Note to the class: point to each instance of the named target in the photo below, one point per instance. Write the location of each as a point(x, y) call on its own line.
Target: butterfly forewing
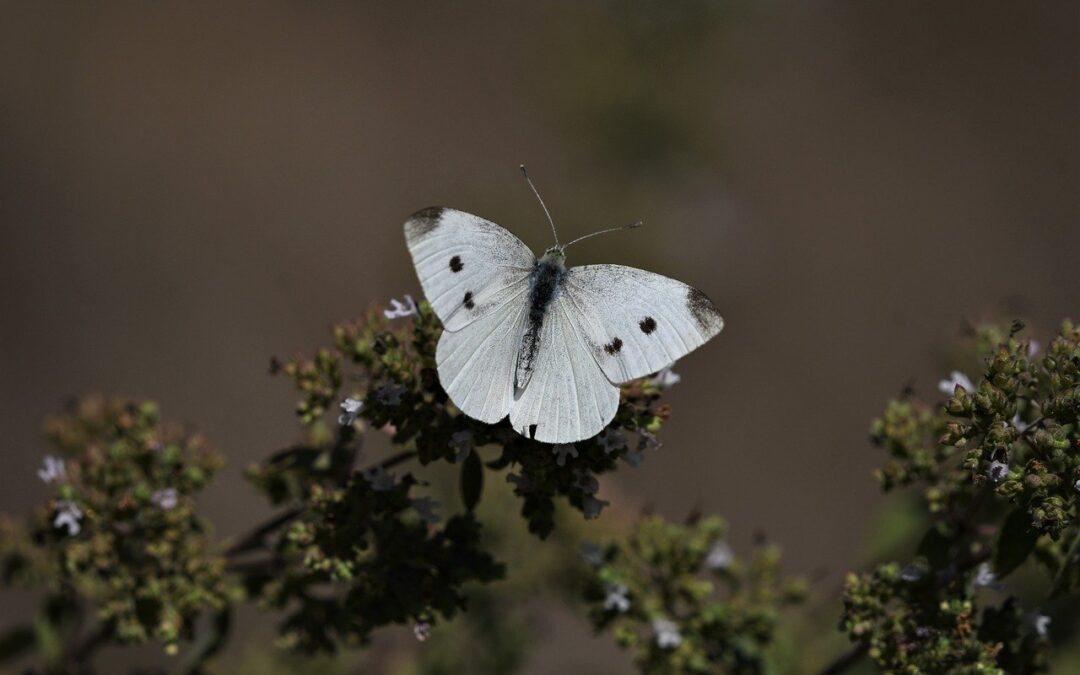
point(467, 266)
point(636, 322)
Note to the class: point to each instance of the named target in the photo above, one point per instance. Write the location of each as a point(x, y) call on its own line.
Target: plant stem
point(254, 539)
point(846, 660)
point(399, 458)
point(79, 652)
point(1059, 578)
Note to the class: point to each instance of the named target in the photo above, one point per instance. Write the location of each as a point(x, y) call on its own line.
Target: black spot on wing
point(424, 221)
point(456, 265)
point(647, 325)
point(468, 301)
point(704, 311)
point(613, 347)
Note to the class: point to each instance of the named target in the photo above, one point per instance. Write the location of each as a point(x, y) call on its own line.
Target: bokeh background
point(187, 189)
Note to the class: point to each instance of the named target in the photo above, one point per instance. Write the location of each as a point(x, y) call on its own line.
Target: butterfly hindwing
point(476, 363)
point(636, 322)
point(568, 397)
point(467, 266)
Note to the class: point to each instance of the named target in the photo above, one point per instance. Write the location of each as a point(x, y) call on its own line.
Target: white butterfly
point(542, 343)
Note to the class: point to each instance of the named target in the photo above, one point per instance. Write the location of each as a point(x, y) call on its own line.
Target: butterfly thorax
point(544, 283)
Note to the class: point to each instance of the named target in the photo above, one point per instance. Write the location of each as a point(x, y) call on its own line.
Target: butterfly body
point(544, 283)
point(545, 344)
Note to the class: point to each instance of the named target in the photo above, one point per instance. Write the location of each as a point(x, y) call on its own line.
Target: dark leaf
point(15, 642)
point(1015, 542)
point(935, 548)
point(472, 480)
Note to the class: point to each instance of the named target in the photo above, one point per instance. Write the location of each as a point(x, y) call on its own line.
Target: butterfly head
point(554, 256)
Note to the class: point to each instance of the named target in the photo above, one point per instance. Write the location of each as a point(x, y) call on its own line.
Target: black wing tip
point(424, 221)
point(704, 311)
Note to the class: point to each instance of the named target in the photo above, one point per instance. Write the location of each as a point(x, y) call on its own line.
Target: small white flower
point(592, 554)
point(615, 598)
point(955, 378)
point(1019, 424)
point(379, 479)
point(425, 506)
point(998, 471)
point(647, 441)
point(586, 482)
point(666, 378)
point(52, 470)
point(634, 458)
point(562, 450)
point(910, 574)
point(985, 577)
point(68, 515)
point(1076, 486)
point(351, 408)
point(1042, 625)
point(400, 310)
point(164, 499)
point(422, 630)
point(720, 556)
point(667, 634)
point(461, 443)
point(1033, 348)
point(390, 394)
point(591, 507)
point(611, 440)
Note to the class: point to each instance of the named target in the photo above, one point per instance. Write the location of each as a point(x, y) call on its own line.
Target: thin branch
point(254, 539)
point(846, 660)
point(78, 652)
point(399, 458)
point(1070, 554)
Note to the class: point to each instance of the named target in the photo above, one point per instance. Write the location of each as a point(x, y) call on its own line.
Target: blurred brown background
point(186, 190)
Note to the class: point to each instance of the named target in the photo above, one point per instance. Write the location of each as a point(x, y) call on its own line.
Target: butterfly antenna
point(611, 229)
point(541, 200)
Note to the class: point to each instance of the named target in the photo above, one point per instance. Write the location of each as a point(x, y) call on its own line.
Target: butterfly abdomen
point(543, 286)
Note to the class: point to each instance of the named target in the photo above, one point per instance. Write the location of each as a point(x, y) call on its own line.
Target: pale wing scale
point(636, 322)
point(467, 266)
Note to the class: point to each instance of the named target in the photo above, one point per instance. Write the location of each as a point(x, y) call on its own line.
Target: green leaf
point(1015, 542)
point(894, 528)
point(472, 480)
point(935, 548)
point(48, 640)
point(15, 641)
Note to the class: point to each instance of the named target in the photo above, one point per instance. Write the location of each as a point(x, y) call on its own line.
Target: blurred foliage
point(357, 546)
point(679, 600)
point(629, 76)
point(1000, 476)
point(371, 548)
point(119, 540)
point(914, 622)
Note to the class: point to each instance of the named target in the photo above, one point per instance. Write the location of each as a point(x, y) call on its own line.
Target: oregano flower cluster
point(358, 543)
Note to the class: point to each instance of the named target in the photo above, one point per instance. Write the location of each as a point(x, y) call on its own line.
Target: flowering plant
point(357, 545)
